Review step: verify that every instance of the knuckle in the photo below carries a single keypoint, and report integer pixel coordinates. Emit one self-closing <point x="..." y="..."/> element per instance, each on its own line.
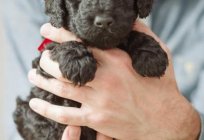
<point x="86" y="118"/>
<point x="76" y="92"/>
<point x="110" y="82"/>
<point x="57" y="88"/>
<point x="46" y="111"/>
<point x="107" y="102"/>
<point x="60" y="89"/>
<point x="120" y="58"/>
<point x="62" y="118"/>
<point x="66" y="90"/>
<point x="41" y="82"/>
<point x="94" y="118"/>
<point x="63" y="35"/>
<point x="100" y="119"/>
<point x="73" y="90"/>
<point x="57" y="36"/>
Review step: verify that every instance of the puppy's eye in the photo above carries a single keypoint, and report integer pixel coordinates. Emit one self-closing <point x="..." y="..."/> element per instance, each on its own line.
<point x="90" y="19"/>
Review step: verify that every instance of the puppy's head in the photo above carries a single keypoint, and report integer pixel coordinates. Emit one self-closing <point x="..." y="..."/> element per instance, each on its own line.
<point x="103" y="23"/>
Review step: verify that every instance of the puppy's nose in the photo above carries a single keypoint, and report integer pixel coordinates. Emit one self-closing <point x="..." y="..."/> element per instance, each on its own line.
<point x="103" y="21"/>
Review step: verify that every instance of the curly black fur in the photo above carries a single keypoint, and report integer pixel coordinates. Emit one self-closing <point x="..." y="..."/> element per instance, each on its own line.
<point x="77" y="63"/>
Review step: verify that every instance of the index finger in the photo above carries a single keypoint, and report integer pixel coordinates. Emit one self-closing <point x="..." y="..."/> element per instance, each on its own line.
<point x="57" y="34"/>
<point x="64" y="115"/>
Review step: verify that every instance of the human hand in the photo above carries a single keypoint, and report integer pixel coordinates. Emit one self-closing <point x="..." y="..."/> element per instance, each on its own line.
<point x="71" y="133"/>
<point x="118" y="102"/>
<point x="74" y="132"/>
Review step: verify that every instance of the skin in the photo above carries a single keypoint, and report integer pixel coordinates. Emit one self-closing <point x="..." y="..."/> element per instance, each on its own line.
<point x="118" y="103"/>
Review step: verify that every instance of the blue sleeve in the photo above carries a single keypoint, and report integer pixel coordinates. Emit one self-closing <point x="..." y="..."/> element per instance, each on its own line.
<point x="202" y="128"/>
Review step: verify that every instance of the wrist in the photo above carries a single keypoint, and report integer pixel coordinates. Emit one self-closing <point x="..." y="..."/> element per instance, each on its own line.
<point x="183" y="122"/>
<point x="188" y="124"/>
<point x="194" y="127"/>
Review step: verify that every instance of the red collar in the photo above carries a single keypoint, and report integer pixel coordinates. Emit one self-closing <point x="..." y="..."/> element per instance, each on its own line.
<point x="43" y="44"/>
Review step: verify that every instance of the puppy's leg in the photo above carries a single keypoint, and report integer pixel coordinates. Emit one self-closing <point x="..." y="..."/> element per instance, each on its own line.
<point x="148" y="58"/>
<point x="76" y="63"/>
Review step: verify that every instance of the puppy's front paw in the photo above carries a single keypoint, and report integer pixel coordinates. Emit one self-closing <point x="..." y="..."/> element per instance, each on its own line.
<point x="76" y="63"/>
<point x="150" y="61"/>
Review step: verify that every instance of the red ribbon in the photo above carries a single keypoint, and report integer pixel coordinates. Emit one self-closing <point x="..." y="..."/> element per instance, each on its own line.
<point x="43" y="44"/>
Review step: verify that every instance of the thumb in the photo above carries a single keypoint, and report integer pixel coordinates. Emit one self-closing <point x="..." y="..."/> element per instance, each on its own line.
<point x="71" y="133"/>
<point x="57" y="34"/>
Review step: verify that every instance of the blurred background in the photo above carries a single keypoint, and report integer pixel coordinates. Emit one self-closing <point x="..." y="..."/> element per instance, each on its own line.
<point x="20" y="23"/>
<point x="1" y="81"/>
<point x="2" y="64"/>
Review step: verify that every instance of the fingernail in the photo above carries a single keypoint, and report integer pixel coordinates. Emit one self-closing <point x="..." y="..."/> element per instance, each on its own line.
<point x="45" y="30"/>
<point x="32" y="76"/>
<point x="34" y="104"/>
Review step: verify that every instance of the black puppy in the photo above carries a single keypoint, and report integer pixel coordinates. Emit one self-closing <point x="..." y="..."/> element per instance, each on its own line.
<point x="100" y="23"/>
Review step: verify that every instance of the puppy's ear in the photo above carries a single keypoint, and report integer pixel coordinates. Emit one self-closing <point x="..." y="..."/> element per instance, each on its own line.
<point x="143" y="7"/>
<point x="56" y="10"/>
